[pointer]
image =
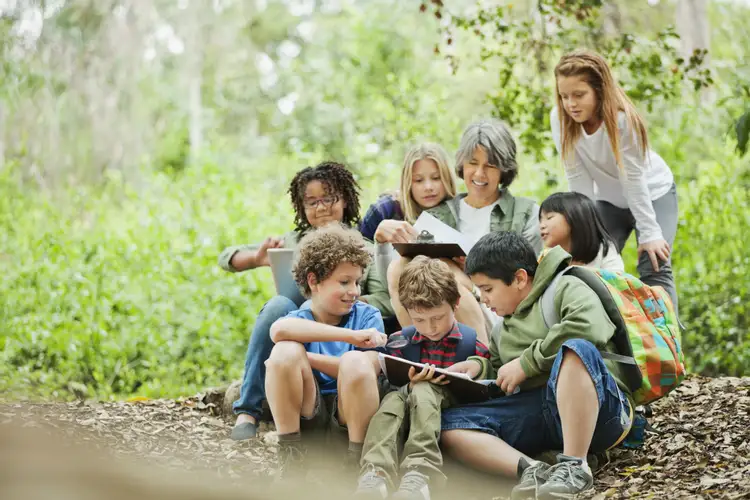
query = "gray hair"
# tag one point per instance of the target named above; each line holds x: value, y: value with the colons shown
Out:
x: 495, y: 138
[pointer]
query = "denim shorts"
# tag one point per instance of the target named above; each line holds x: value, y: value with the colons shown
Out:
x: 529, y: 421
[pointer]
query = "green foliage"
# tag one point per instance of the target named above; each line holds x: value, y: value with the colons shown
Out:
x: 527, y: 48
x: 742, y: 131
x: 119, y: 289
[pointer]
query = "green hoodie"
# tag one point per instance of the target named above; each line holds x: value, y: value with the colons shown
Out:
x: 524, y: 335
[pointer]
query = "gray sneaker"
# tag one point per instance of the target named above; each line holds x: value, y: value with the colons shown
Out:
x: 371, y: 485
x: 534, y: 475
x: 414, y: 486
x: 566, y: 479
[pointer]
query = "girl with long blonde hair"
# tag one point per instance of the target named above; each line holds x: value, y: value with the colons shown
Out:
x: 426, y: 181
x: 605, y: 151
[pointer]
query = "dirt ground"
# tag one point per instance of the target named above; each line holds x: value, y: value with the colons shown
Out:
x: 141, y: 447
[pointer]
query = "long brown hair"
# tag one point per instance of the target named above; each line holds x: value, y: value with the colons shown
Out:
x: 611, y: 99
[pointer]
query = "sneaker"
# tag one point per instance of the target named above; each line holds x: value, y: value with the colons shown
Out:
x: 414, y: 486
x: 569, y: 477
x: 371, y: 485
x: 291, y: 461
x: 241, y: 432
x: 534, y: 474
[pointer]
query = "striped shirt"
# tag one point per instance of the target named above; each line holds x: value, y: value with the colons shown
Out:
x: 442, y: 353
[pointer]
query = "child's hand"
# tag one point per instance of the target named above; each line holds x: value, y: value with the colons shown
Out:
x: 510, y: 376
x: 261, y: 257
x: 427, y: 374
x: 657, y: 250
x: 368, y: 339
x: 395, y: 231
x: 468, y: 367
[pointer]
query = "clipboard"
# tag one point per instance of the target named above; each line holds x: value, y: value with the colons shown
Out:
x: 464, y: 389
x: 432, y: 250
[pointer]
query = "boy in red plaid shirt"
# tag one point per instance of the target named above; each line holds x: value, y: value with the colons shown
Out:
x: 429, y: 292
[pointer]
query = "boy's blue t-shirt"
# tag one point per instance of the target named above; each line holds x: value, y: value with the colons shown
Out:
x: 361, y: 317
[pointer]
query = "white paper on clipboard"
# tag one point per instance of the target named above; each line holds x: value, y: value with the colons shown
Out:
x: 442, y: 232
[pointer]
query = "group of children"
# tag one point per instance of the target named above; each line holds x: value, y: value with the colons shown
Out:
x: 317, y: 365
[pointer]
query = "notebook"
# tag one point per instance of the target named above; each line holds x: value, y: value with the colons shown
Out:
x: 281, y: 267
x: 464, y: 389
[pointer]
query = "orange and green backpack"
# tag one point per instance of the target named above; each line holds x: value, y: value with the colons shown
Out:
x: 647, y: 331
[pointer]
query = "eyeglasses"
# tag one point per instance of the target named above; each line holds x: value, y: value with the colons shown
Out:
x: 326, y: 201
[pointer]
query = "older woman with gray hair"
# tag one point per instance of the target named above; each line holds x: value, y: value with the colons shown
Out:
x: 486, y: 161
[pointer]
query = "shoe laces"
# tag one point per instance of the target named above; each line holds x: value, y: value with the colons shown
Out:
x: 370, y: 479
x: 413, y: 482
x: 532, y: 473
x: 562, y: 472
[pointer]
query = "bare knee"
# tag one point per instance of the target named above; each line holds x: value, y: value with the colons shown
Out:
x: 355, y: 368
x: 285, y: 355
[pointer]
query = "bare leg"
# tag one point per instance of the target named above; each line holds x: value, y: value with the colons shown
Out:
x: 358, y: 392
x: 290, y: 386
x: 482, y: 451
x: 395, y: 269
x: 578, y: 405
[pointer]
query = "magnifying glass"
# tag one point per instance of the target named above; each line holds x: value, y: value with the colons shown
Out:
x: 396, y: 341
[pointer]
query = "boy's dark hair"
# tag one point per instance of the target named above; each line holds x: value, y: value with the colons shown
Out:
x: 426, y: 283
x: 323, y: 249
x: 337, y: 179
x: 587, y: 231
x: 498, y: 255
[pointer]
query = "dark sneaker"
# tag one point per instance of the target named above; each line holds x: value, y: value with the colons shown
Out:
x: 534, y: 475
x: 241, y: 432
x: 566, y: 479
x: 414, y: 486
x: 291, y: 461
x: 371, y: 485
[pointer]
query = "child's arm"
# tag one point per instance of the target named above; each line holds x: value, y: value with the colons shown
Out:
x: 488, y: 359
x: 305, y: 331
x: 324, y: 364
x: 240, y: 258
x: 582, y: 317
x: 375, y: 292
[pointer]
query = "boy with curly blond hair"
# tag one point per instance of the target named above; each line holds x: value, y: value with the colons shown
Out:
x: 323, y: 373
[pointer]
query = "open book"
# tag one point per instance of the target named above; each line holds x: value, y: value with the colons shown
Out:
x: 463, y: 388
x: 448, y: 242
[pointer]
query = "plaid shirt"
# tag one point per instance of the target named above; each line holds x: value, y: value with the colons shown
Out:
x: 442, y: 353
x: 387, y: 207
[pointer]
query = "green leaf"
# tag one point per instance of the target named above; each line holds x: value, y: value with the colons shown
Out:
x: 742, y: 129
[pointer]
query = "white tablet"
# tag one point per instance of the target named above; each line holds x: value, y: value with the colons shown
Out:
x: 281, y: 267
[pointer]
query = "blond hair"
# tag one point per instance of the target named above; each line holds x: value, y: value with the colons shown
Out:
x: 426, y: 283
x: 424, y: 151
x: 611, y: 99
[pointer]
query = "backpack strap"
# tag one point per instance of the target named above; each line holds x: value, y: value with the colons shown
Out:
x: 467, y: 347
x: 549, y: 312
x: 411, y: 352
x: 551, y: 316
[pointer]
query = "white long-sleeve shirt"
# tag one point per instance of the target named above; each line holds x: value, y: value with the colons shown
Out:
x: 595, y: 173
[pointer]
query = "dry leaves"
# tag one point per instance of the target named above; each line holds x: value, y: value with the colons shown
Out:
x: 702, y: 451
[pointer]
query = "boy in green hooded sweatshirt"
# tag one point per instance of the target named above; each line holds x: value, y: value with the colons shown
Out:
x: 561, y: 393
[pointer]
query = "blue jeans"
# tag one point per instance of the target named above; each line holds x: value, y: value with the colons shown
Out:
x: 253, y: 390
x: 529, y: 421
